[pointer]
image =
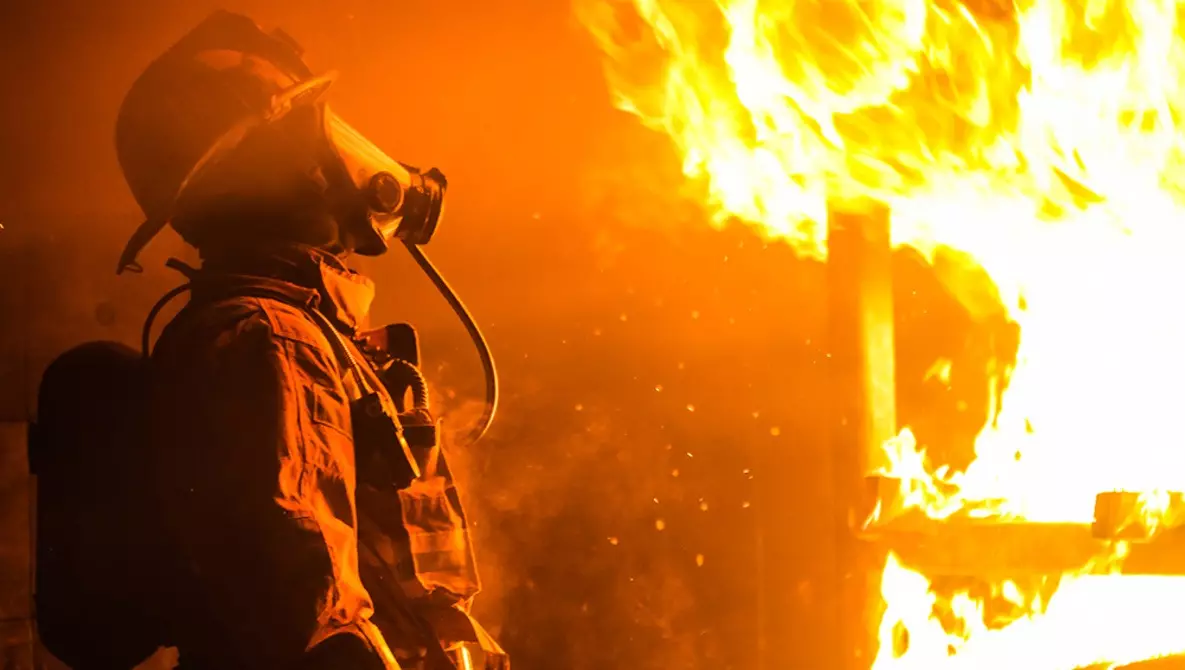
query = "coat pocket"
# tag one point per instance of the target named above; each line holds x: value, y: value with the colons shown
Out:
x: 441, y: 548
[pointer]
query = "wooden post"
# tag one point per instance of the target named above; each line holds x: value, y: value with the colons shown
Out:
x: 860, y: 315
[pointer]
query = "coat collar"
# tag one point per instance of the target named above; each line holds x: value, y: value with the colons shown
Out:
x: 309, y: 276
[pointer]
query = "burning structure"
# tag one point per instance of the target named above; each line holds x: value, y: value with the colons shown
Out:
x: 1031, y: 153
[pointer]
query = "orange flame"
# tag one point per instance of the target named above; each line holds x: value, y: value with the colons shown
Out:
x: 1043, y: 138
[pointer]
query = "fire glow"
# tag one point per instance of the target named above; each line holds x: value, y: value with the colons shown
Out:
x: 1044, y: 139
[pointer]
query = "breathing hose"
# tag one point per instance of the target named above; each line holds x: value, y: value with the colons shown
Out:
x: 479, y: 341
x: 146, y: 332
x: 415, y: 380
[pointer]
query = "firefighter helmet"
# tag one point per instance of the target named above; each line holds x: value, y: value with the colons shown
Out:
x: 198, y: 104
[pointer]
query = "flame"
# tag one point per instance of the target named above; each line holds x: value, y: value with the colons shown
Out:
x: 1042, y: 138
x: 1091, y: 619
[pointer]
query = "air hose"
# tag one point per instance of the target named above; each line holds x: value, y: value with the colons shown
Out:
x: 415, y: 380
x: 479, y: 341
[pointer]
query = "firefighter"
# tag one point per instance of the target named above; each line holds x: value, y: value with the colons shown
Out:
x: 279, y: 545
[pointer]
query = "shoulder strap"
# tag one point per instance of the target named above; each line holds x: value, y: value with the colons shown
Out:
x: 146, y: 331
x: 336, y: 342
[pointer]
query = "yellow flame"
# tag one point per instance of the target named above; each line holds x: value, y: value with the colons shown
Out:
x: 1041, y: 137
x: 1091, y: 619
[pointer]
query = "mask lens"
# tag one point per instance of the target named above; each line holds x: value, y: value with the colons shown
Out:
x: 384, y: 193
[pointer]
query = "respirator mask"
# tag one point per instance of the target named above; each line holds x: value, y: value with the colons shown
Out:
x: 377, y: 199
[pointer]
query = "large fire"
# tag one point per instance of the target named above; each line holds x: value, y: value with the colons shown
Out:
x: 1045, y: 139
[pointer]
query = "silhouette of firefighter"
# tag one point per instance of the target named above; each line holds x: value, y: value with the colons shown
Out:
x: 288, y: 504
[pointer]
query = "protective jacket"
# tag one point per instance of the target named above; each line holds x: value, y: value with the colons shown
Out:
x: 274, y: 544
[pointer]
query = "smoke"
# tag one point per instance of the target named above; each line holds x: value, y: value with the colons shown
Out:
x: 647, y: 380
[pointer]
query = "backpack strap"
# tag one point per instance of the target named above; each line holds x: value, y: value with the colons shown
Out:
x: 336, y: 341
x: 146, y: 331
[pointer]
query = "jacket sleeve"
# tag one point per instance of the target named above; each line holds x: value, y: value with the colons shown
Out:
x: 271, y: 500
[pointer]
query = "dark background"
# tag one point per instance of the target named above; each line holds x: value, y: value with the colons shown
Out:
x: 654, y: 493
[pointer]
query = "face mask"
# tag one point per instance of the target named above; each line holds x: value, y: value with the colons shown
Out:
x: 387, y: 200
